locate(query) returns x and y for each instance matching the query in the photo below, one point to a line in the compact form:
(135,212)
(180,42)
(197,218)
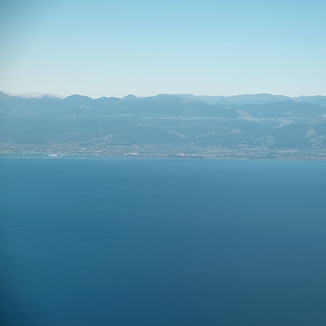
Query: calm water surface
(162,242)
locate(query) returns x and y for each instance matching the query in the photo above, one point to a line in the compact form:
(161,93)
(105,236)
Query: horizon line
(39,95)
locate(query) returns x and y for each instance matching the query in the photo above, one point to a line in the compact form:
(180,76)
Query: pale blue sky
(206,47)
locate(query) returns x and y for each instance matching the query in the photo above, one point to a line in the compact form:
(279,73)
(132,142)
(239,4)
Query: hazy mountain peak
(78,98)
(129,97)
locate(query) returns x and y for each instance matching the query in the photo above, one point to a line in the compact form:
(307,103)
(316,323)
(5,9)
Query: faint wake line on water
(62,240)
(44,254)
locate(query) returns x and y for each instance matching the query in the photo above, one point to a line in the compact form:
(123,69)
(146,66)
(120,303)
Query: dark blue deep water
(162,242)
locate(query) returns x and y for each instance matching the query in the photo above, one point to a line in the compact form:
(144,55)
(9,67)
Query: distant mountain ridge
(34,95)
(166,123)
(263,98)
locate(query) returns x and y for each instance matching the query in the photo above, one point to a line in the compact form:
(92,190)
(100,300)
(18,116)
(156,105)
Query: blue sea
(141,242)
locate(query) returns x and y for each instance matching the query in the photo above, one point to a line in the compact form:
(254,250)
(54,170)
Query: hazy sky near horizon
(206,47)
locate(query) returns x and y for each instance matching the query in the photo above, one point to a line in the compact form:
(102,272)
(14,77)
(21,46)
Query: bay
(162,242)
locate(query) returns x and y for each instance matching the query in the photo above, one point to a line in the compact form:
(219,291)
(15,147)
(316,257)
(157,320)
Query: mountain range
(166,125)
